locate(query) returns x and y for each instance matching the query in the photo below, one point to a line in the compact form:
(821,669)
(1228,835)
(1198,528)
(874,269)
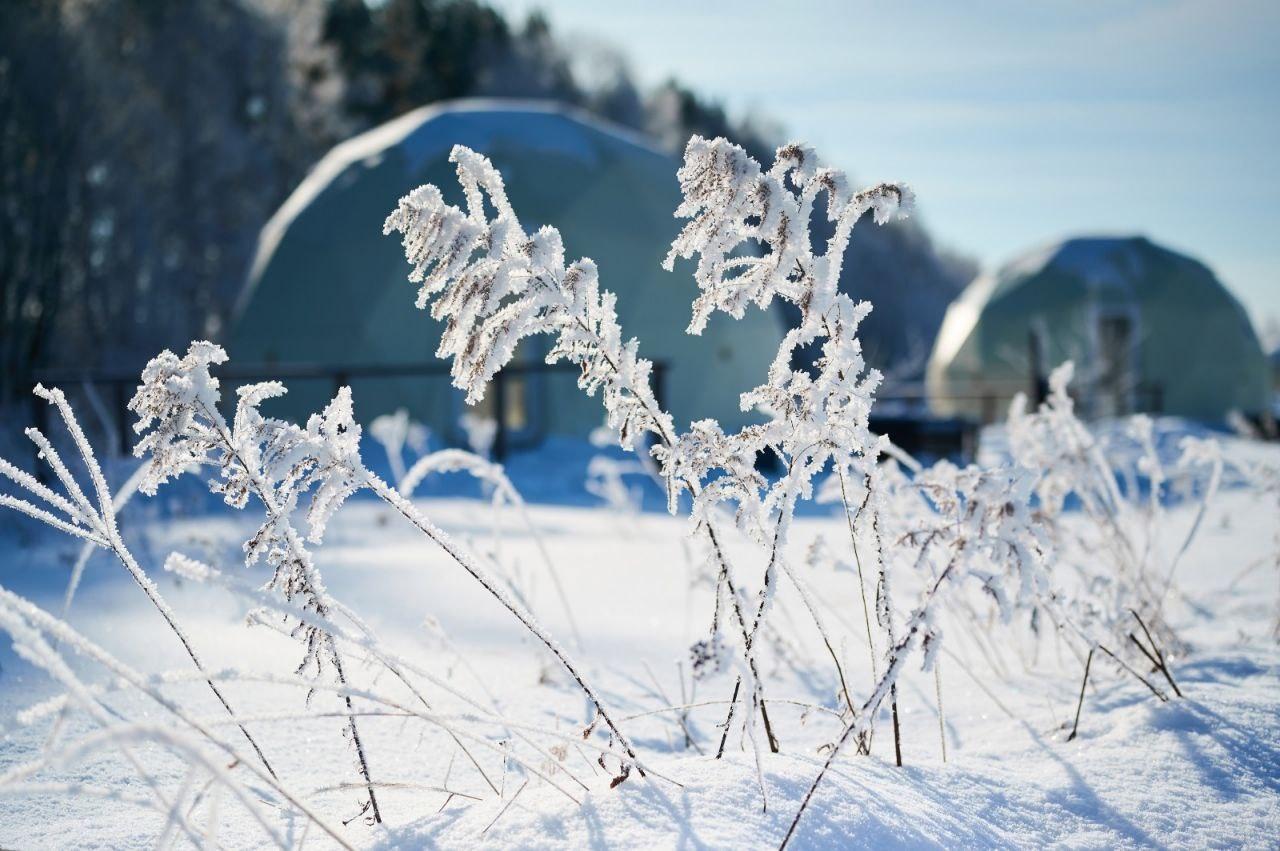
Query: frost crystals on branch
(75,515)
(279,463)
(274,461)
(816,420)
(1067,460)
(494,285)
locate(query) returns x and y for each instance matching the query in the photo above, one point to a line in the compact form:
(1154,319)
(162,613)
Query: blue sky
(1016,122)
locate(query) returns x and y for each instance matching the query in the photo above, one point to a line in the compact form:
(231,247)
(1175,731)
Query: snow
(1194,772)
(1106,261)
(1215,761)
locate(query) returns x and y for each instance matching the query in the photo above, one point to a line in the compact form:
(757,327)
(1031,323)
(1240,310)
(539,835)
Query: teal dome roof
(1148,329)
(327,287)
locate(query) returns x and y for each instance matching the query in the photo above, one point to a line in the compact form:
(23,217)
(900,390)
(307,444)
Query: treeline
(144,143)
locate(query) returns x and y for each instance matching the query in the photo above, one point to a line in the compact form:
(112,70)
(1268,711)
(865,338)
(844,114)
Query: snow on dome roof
(1114,260)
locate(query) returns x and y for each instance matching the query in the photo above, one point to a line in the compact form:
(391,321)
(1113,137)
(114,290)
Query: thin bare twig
(1159,661)
(1075,726)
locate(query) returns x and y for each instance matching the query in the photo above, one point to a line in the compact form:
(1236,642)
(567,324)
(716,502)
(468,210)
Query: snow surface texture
(1195,772)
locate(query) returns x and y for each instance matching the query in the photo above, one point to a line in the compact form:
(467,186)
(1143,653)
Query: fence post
(500,416)
(1039,384)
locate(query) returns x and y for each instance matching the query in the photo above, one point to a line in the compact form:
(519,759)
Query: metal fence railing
(988,402)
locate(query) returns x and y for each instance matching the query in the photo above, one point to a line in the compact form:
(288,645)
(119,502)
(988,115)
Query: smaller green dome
(1148,329)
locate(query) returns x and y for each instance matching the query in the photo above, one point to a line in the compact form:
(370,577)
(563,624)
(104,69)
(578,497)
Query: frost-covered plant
(978,530)
(818,419)
(1053,441)
(982,528)
(494,285)
(481,469)
(396,431)
(1070,462)
(73,513)
(1141,430)
(1196,455)
(277,463)
(281,465)
(606,479)
(612,479)
(480,432)
(1265,479)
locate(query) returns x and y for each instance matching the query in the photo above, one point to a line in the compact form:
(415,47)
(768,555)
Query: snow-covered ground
(1201,771)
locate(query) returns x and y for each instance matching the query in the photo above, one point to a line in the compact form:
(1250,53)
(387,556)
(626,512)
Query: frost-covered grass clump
(1049,562)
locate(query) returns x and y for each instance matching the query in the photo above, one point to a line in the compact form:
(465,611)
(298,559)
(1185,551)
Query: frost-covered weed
(39,637)
(1068,462)
(1264,479)
(289,471)
(606,479)
(749,229)
(94,521)
(494,285)
(278,464)
(480,431)
(502,494)
(283,465)
(396,431)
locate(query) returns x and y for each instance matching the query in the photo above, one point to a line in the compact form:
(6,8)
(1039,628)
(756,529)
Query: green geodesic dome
(327,287)
(1147,328)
